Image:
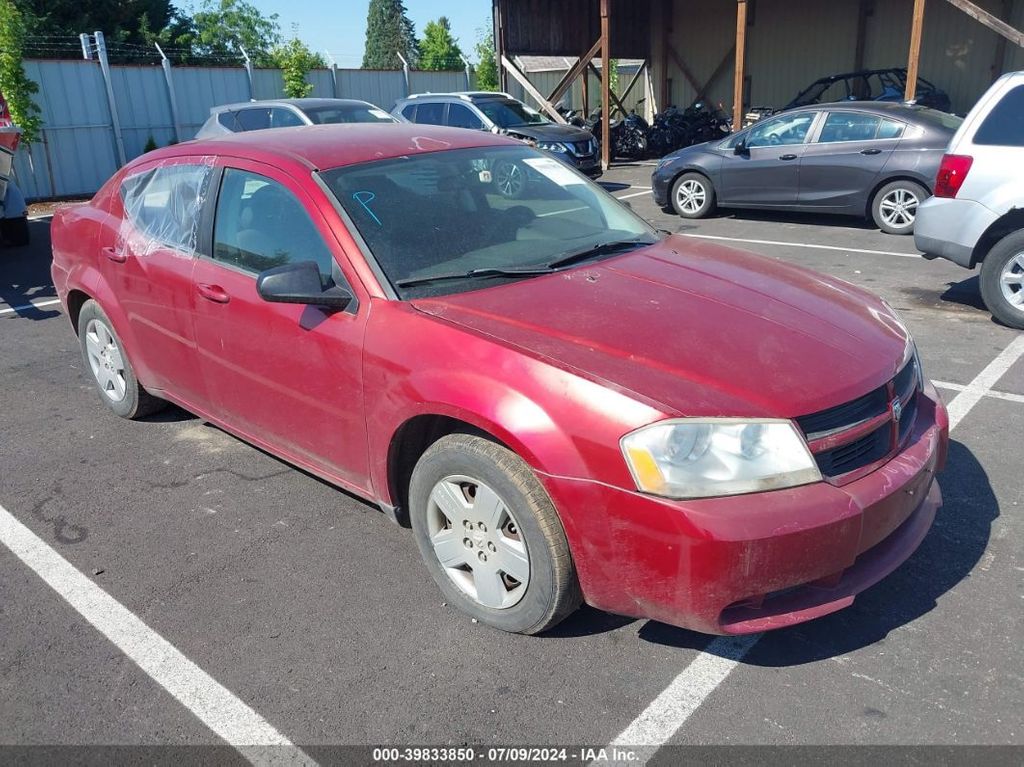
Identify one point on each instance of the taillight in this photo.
(952, 174)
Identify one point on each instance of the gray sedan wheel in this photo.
(693, 196)
(894, 208)
(490, 536)
(1002, 280)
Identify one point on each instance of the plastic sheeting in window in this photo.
(162, 207)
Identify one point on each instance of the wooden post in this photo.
(606, 112)
(863, 11)
(914, 60)
(741, 54)
(668, 11)
(499, 45)
(585, 85)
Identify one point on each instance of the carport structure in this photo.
(772, 47)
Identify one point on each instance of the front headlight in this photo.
(706, 457)
(552, 146)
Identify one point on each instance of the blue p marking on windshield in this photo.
(364, 199)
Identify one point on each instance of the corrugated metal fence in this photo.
(76, 151)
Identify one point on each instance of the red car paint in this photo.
(557, 367)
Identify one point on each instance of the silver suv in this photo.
(977, 213)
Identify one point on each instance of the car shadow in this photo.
(788, 217)
(613, 186)
(947, 556)
(965, 294)
(25, 274)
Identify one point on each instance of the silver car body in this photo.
(280, 113)
(990, 204)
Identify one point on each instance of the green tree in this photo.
(389, 31)
(15, 86)
(221, 27)
(119, 20)
(487, 68)
(438, 49)
(295, 60)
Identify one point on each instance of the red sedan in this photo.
(565, 404)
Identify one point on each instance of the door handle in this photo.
(788, 157)
(870, 151)
(214, 293)
(114, 256)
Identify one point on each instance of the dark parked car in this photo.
(500, 113)
(888, 85)
(857, 159)
(289, 113)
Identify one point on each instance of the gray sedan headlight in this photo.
(707, 457)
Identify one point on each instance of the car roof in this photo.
(891, 108)
(318, 147)
(307, 103)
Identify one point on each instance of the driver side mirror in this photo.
(299, 283)
(742, 149)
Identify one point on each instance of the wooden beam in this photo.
(730, 54)
(684, 69)
(914, 58)
(585, 87)
(611, 94)
(991, 21)
(606, 112)
(633, 81)
(667, 10)
(864, 10)
(999, 55)
(499, 44)
(531, 89)
(741, 54)
(570, 77)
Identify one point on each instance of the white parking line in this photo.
(251, 735)
(36, 305)
(635, 194)
(39, 218)
(800, 245)
(994, 394)
(984, 381)
(695, 683)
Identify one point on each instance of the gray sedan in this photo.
(852, 158)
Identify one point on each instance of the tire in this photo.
(1002, 273)
(109, 366)
(693, 196)
(510, 179)
(14, 231)
(894, 207)
(539, 588)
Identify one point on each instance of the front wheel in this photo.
(693, 196)
(1002, 280)
(490, 536)
(894, 208)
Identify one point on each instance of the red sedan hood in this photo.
(697, 329)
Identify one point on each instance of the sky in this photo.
(339, 26)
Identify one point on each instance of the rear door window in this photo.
(891, 129)
(1004, 125)
(253, 119)
(284, 118)
(162, 207)
(849, 126)
(430, 114)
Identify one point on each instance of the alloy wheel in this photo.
(1011, 282)
(478, 542)
(106, 360)
(899, 208)
(691, 196)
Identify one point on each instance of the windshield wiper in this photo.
(615, 246)
(486, 271)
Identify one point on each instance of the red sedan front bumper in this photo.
(754, 562)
